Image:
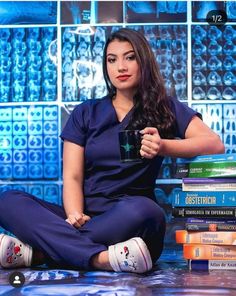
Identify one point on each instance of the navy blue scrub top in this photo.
(94, 125)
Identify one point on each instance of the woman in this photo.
(110, 220)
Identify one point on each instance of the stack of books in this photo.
(208, 201)
(210, 244)
(208, 187)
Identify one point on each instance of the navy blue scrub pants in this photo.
(42, 225)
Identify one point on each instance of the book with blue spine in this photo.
(209, 158)
(204, 199)
(195, 224)
(211, 264)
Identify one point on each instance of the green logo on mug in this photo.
(127, 147)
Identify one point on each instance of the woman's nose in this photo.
(122, 66)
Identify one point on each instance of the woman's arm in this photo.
(73, 176)
(199, 140)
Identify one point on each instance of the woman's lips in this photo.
(123, 77)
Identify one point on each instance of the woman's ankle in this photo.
(101, 261)
(38, 258)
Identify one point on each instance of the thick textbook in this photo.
(209, 184)
(211, 264)
(204, 199)
(208, 158)
(206, 169)
(205, 237)
(209, 252)
(210, 225)
(201, 212)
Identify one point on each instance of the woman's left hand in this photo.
(77, 219)
(151, 142)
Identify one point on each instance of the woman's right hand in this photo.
(77, 219)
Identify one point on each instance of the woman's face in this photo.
(122, 67)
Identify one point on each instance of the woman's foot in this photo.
(131, 256)
(14, 253)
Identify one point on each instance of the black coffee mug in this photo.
(130, 144)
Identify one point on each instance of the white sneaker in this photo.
(131, 256)
(14, 253)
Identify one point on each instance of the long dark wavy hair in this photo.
(151, 103)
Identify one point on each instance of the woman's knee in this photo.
(10, 198)
(143, 209)
(6, 197)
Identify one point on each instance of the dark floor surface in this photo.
(170, 276)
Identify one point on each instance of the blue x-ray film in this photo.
(200, 9)
(155, 11)
(91, 12)
(230, 8)
(28, 12)
(229, 115)
(28, 68)
(75, 12)
(220, 118)
(115, 9)
(29, 143)
(214, 62)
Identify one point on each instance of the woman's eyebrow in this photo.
(128, 52)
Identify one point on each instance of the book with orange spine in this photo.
(206, 237)
(209, 252)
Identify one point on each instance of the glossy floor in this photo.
(170, 276)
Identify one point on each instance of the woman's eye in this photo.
(131, 57)
(111, 60)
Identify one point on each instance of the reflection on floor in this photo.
(170, 276)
